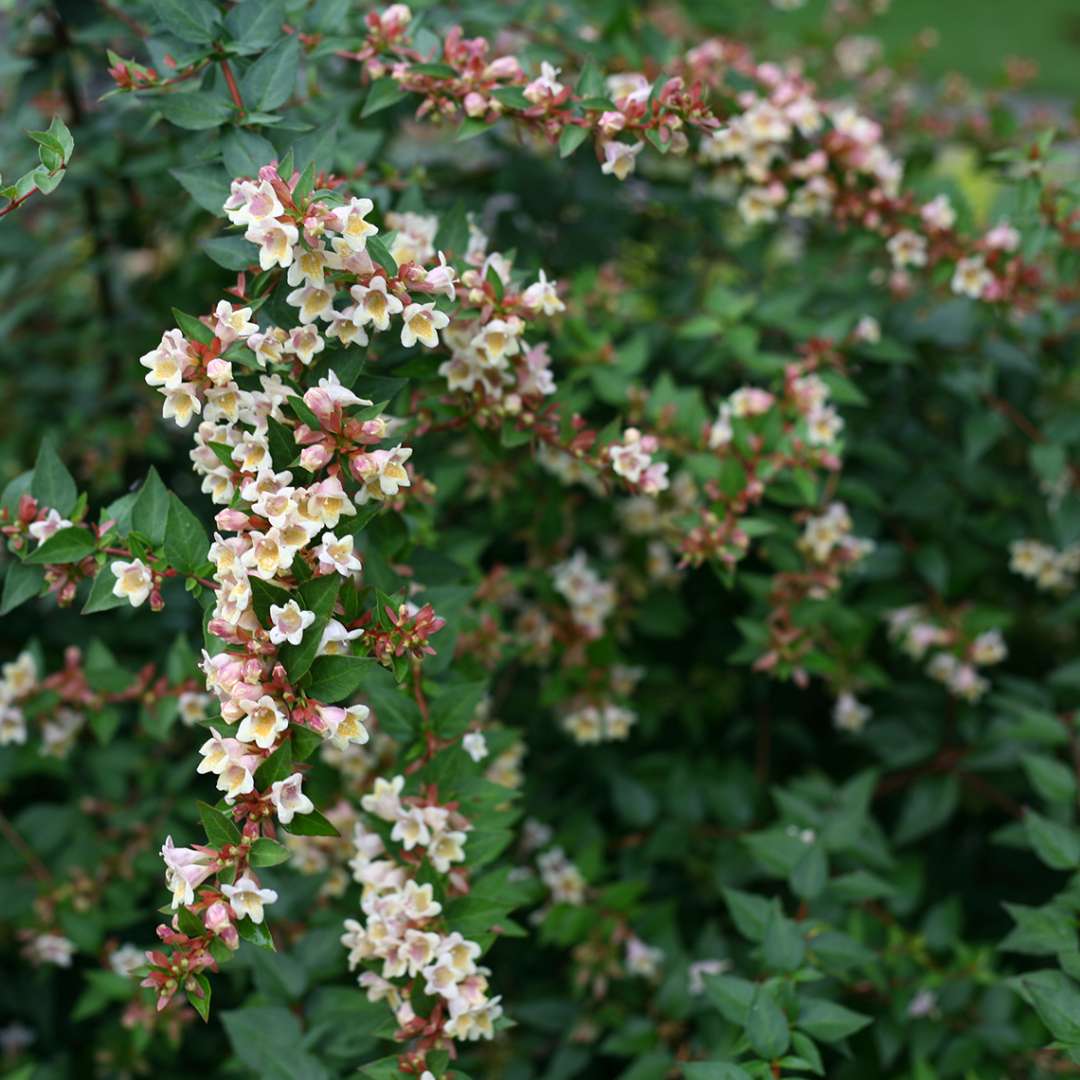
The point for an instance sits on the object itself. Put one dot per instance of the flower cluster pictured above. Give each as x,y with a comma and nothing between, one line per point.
772,143
18,678
953,655
591,599
631,458
606,721
827,537
1051,569
403,930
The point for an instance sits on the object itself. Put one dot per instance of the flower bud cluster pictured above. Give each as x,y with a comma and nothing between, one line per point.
953,655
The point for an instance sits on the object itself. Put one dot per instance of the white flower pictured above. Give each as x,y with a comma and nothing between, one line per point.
336,555
289,622
52,949
230,323
446,848
181,404
262,722
126,959
907,249
166,363
938,214
620,158
351,221
374,304
288,799
216,753
345,725
441,279
246,898
849,714
422,322
542,295
134,580
475,745
335,639
185,870
971,277
411,829
384,801
277,241
50,524
305,342
313,302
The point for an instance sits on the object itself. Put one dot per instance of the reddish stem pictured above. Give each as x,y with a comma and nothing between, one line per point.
234,90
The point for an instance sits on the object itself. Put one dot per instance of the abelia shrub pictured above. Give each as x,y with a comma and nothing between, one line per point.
594,596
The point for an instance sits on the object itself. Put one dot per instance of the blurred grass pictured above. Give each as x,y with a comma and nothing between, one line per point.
976,36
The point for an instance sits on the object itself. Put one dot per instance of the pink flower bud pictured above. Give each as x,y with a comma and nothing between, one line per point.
475,104
314,458
219,371
318,401
505,67
231,520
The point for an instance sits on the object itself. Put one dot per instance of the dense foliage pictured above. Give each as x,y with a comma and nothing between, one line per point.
554,527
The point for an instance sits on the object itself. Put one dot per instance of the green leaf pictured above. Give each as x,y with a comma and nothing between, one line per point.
186,544
198,110
453,234
64,546
21,583
828,1021
257,933
271,80
766,1025
511,97
200,999
319,596
1057,1001
208,185
220,830
193,328
927,807
714,1070
194,21
750,913
590,82
383,93
313,824
334,678
438,71
267,852
51,483
263,594
101,596
454,708
571,138
304,741
283,448
268,1040
231,252
811,873
277,766
731,995
302,412
1051,778
255,25
783,947
59,131
377,249
148,514
1056,845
